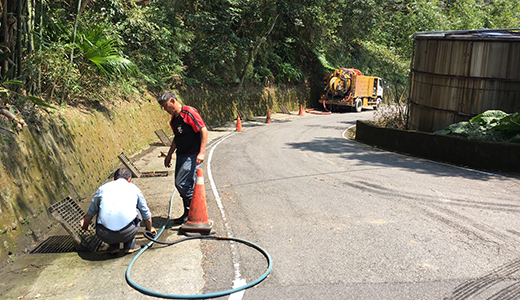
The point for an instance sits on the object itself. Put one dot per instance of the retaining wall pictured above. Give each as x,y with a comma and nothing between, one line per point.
69,153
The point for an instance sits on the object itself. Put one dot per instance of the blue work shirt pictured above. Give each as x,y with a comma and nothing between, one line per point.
116,202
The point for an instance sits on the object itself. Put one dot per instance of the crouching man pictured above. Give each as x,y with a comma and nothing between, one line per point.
120,206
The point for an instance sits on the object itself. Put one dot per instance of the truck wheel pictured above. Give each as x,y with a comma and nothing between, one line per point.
359,105
376,107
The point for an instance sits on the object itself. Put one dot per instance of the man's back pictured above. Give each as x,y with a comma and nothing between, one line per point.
117,202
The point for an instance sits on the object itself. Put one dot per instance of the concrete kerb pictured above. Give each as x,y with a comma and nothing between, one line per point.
99,275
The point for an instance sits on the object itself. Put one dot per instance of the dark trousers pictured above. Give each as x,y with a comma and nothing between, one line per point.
185,174
126,235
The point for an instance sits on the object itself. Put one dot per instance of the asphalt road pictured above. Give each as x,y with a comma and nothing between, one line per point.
342,220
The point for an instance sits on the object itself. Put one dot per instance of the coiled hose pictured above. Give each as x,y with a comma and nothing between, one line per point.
201,296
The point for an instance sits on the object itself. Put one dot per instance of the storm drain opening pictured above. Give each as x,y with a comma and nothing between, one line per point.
56,244
138,174
165,140
68,213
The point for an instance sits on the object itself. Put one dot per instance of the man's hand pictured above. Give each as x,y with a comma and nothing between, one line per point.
168,161
200,158
82,225
153,232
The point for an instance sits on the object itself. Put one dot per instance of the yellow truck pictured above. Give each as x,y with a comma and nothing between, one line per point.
347,87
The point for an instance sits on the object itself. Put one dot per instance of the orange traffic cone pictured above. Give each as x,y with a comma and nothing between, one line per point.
198,215
239,124
301,110
268,119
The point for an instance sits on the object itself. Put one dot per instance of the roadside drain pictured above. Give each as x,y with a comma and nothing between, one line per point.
68,213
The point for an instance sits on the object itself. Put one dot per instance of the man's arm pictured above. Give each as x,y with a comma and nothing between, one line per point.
92,210
168,158
84,223
203,143
148,225
145,211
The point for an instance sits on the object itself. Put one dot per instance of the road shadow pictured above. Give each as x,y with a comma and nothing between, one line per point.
367,156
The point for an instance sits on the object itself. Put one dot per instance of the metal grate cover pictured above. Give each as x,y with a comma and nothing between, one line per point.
124,159
284,109
155,174
68,213
136,173
163,137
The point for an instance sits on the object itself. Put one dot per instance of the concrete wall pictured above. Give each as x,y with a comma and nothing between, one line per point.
70,153
502,157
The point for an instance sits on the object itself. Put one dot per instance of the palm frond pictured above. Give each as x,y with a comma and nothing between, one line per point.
113,64
102,51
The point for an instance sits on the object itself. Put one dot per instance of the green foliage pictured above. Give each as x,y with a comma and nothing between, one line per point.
502,14
152,37
101,50
167,44
56,69
8,89
510,122
491,125
489,119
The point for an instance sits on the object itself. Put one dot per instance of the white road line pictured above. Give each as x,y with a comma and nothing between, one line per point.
239,281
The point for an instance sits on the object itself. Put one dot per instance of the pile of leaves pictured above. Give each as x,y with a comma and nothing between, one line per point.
491,125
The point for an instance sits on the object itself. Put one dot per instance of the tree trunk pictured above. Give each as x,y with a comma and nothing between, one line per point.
40,27
5,31
30,26
83,6
18,52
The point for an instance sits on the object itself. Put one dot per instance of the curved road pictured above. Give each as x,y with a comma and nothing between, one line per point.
342,220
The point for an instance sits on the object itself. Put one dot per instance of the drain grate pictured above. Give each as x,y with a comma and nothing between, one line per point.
136,173
130,166
284,109
163,137
155,174
56,244
68,213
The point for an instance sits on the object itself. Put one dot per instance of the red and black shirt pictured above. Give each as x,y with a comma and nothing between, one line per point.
186,128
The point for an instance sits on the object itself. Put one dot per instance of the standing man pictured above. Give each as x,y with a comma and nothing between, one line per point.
190,140
120,206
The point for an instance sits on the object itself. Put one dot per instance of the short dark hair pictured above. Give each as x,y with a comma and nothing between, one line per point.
122,173
167,96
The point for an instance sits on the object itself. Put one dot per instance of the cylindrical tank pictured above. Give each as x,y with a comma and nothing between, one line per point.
459,74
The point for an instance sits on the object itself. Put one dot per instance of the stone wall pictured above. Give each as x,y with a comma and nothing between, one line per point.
69,154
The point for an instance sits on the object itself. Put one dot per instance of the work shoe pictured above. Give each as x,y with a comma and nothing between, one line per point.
132,250
180,220
113,250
